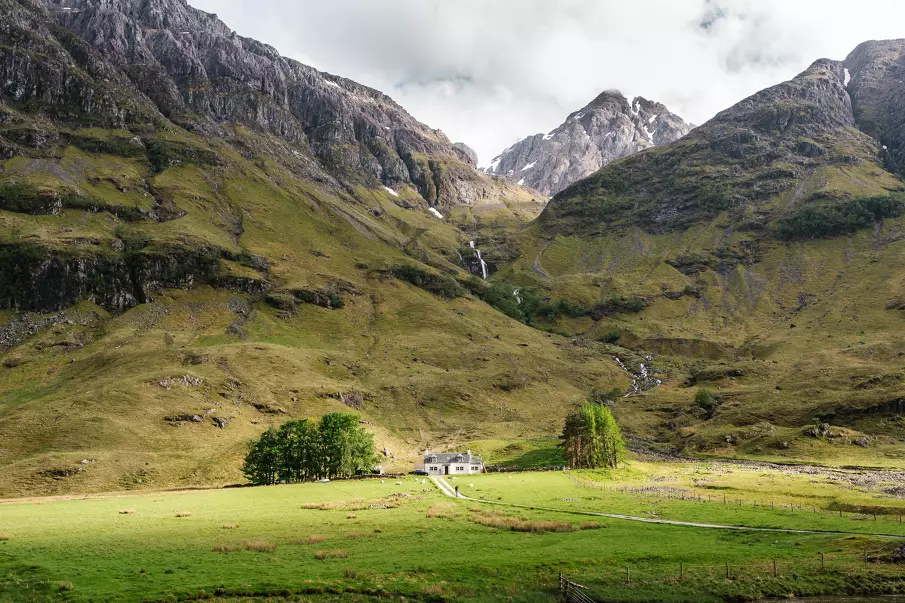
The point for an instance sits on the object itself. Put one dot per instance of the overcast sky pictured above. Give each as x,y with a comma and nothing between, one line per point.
488,72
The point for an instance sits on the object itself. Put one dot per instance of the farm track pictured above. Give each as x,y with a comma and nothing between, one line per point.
448,490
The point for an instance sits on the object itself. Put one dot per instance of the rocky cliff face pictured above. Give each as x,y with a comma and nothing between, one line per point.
875,80
199,74
609,128
761,161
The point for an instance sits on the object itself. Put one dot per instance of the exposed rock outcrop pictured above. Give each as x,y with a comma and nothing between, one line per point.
609,128
194,70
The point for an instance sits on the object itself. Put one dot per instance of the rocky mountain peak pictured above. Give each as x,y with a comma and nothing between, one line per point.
788,147
202,76
608,128
469,155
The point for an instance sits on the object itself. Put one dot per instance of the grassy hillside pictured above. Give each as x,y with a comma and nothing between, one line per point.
745,260
259,296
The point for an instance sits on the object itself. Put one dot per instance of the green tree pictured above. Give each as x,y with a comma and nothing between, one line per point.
706,401
336,446
592,439
262,463
299,445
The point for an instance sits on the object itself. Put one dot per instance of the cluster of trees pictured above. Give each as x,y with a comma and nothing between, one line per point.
336,446
591,438
822,220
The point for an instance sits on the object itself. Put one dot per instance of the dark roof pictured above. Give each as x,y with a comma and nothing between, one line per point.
445,458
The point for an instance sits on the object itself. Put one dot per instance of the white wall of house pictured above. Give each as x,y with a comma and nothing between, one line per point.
454,469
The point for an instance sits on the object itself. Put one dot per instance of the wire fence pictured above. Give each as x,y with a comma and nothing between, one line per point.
863,512
573,592
798,568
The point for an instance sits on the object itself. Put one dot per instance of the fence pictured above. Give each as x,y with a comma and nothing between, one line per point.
572,592
781,571
865,512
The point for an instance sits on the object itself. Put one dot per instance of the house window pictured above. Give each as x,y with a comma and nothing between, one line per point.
475,468
460,468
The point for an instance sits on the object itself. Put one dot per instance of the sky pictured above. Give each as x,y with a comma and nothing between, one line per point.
489,72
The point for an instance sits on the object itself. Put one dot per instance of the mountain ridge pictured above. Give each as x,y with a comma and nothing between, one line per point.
608,128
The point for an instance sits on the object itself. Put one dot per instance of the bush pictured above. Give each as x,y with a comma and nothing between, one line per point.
706,401
611,336
441,285
825,220
184,514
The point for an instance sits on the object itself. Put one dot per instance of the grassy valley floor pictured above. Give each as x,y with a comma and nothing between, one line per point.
386,539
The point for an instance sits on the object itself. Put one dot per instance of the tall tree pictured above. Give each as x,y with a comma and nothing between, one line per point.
591,438
263,461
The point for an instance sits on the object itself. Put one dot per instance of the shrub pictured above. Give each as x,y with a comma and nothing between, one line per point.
611,336
65,586
313,539
230,526
184,514
590,525
4,537
349,573
441,285
706,401
127,512
322,555
825,220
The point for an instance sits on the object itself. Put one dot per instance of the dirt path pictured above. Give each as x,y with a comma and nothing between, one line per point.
537,267
448,490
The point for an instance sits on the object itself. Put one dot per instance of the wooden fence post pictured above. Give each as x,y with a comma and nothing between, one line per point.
628,574
822,565
774,568
727,570
681,571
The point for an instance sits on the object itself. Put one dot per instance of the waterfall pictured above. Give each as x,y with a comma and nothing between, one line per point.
641,380
480,259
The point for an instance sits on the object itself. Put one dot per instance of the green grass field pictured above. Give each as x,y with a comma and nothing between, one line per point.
382,539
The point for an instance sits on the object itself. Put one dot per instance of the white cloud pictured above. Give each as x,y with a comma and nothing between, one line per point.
488,72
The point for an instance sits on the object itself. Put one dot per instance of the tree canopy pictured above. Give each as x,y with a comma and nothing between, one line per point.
592,439
336,446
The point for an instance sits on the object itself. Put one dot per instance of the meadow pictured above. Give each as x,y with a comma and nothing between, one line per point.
390,539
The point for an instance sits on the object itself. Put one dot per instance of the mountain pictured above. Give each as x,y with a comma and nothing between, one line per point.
761,256
608,129
762,161
200,238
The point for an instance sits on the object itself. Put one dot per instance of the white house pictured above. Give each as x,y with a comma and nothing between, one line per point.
452,463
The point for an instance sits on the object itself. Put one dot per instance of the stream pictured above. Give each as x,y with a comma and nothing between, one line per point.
641,380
